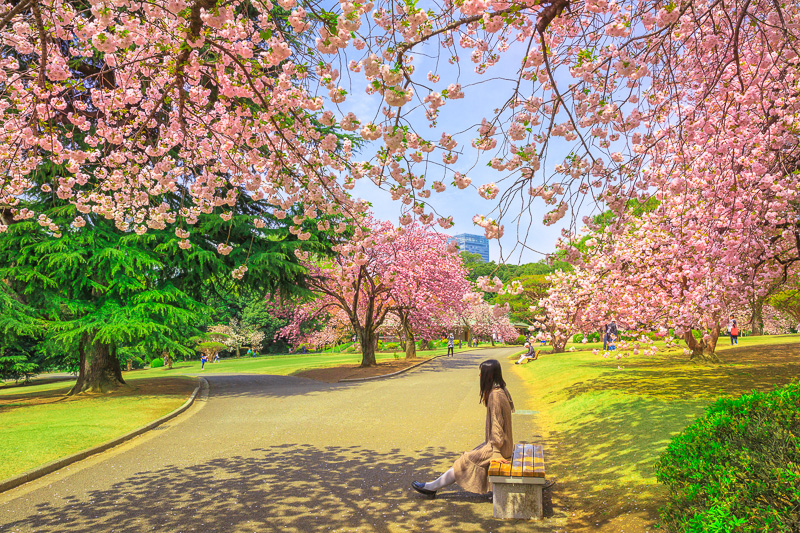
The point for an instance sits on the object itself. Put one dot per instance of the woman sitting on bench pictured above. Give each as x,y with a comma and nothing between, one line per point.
530,355
471,470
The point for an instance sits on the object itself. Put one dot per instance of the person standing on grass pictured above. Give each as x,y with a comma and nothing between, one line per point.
203,359
450,345
610,335
471,470
733,330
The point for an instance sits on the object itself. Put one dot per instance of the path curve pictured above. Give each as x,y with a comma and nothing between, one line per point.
281,453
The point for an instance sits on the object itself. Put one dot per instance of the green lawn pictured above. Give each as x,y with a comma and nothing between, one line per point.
605,421
39,424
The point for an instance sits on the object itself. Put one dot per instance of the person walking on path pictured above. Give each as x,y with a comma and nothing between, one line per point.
733,329
450,345
471,470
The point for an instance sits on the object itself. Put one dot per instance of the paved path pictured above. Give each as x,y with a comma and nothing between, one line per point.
276,453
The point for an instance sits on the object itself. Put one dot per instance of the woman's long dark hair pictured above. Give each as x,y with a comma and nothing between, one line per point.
491,377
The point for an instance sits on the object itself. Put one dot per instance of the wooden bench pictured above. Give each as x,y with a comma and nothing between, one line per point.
517,486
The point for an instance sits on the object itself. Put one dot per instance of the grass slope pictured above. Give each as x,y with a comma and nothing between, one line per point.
605,421
39,424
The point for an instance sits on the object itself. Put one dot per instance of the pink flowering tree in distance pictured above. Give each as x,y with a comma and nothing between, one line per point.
561,312
410,272
431,283
478,318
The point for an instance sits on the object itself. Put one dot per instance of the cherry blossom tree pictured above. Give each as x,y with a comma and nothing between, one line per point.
776,322
561,312
134,99
479,318
693,104
237,336
410,272
431,283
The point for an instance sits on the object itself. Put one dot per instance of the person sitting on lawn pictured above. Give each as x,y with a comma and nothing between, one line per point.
530,355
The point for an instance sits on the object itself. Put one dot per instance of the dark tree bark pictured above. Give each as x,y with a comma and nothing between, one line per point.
100,370
368,340
408,333
758,319
703,349
558,341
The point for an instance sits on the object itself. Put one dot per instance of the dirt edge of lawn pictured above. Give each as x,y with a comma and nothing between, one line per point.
335,374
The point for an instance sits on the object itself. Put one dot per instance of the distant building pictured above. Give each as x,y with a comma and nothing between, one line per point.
474,244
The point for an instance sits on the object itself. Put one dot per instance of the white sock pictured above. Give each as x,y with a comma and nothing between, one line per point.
445,480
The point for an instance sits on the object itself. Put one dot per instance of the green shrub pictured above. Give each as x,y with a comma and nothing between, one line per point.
519,341
737,468
591,337
389,346
155,363
138,363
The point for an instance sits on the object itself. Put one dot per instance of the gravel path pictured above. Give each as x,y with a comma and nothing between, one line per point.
279,453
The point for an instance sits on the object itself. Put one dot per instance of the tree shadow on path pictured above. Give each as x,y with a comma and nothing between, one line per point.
281,488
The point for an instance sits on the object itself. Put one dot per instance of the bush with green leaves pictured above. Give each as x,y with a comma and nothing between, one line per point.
519,341
591,337
156,363
737,468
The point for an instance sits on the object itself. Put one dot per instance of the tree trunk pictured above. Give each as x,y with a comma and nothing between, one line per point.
368,341
758,319
702,349
411,345
130,365
559,342
100,370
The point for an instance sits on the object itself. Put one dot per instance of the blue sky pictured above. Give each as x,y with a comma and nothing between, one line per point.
484,94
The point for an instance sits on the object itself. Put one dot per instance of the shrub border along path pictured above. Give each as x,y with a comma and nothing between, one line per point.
58,464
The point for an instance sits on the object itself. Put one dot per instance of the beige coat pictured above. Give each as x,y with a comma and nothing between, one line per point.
472,468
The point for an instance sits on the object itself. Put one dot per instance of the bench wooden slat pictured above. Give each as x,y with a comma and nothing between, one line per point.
538,461
516,461
527,461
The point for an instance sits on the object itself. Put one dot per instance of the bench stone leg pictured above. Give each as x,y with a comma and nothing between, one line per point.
517,501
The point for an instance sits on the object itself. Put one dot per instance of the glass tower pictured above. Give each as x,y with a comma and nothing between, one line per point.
474,244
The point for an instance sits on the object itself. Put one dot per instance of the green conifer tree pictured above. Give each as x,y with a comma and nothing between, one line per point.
97,288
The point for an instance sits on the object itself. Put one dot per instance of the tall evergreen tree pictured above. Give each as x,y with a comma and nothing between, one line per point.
97,287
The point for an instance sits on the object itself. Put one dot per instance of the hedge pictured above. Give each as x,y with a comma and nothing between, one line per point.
737,468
